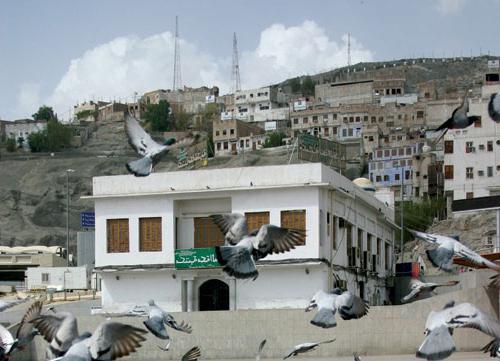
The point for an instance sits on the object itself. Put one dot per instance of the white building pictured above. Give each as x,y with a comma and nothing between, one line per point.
59,278
471,155
20,130
147,228
257,105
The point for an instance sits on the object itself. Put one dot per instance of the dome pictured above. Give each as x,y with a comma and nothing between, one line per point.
365,184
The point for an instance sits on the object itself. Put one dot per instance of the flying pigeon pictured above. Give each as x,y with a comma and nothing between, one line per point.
157,319
233,226
192,355
111,340
151,151
424,289
494,107
7,343
442,256
259,352
239,259
493,348
305,347
459,119
438,343
356,357
60,330
348,305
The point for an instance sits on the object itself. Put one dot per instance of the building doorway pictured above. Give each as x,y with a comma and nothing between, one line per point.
214,296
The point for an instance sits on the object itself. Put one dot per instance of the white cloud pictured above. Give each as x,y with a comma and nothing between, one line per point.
131,64
28,99
448,7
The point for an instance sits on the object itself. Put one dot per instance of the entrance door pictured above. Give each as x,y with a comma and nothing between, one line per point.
214,296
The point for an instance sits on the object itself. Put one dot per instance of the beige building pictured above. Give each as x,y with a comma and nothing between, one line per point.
91,107
112,111
189,100
428,178
234,136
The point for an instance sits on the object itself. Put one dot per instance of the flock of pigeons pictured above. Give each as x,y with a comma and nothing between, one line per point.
243,247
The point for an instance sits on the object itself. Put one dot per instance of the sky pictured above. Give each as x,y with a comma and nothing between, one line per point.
59,52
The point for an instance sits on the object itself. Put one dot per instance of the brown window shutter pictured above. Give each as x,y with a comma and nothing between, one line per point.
255,220
294,219
117,235
150,234
206,233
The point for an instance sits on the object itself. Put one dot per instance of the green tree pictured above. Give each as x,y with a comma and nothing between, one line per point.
10,144
181,120
84,114
54,138
294,84
274,139
308,86
45,113
158,117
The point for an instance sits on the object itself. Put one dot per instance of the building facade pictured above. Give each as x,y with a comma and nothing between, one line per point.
143,223
20,129
257,105
234,136
471,155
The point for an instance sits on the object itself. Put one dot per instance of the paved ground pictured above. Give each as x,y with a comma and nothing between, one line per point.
457,356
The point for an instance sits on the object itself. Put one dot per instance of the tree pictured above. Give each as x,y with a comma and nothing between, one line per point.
308,86
84,114
294,84
158,116
45,113
274,139
181,120
54,138
10,144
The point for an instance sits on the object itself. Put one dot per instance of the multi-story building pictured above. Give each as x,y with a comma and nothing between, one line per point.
20,129
234,136
428,178
471,155
189,100
89,109
257,105
156,231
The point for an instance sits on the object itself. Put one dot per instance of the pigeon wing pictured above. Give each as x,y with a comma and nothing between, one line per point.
471,256
26,326
139,139
469,316
117,339
273,239
48,325
414,293
192,355
6,339
182,327
225,222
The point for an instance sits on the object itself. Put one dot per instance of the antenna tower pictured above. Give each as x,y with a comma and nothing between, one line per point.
235,77
177,59
348,49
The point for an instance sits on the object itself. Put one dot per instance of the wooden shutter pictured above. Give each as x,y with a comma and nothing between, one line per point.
117,237
255,220
150,234
206,233
448,172
448,146
294,219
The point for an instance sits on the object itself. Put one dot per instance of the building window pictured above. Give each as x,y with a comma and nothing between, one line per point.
407,174
218,145
45,278
315,118
489,146
469,147
358,119
490,171
294,219
150,234
469,173
386,178
379,154
226,145
401,151
408,151
396,176
231,131
224,132
469,195
387,256
477,123
255,220
378,178
206,233
295,120
117,235
351,251
217,133
328,224
304,120
420,114
448,146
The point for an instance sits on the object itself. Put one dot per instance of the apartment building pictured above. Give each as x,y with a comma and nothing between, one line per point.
233,136
257,105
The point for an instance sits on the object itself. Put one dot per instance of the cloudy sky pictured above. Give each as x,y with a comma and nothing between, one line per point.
59,52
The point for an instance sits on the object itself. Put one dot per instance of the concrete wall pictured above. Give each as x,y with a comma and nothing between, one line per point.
237,334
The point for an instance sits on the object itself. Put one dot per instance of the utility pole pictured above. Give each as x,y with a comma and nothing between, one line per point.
348,49
235,75
401,213
68,171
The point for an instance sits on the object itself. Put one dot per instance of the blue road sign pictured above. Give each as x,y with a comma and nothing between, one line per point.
88,219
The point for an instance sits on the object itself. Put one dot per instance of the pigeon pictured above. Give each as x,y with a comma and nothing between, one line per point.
424,289
60,330
356,357
239,259
157,319
110,340
348,305
493,348
7,343
459,119
151,151
26,333
442,256
192,355
259,352
438,343
305,347
494,107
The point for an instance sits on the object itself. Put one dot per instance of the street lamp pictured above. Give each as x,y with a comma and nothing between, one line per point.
68,171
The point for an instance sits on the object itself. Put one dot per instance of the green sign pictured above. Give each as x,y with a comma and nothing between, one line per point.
195,258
